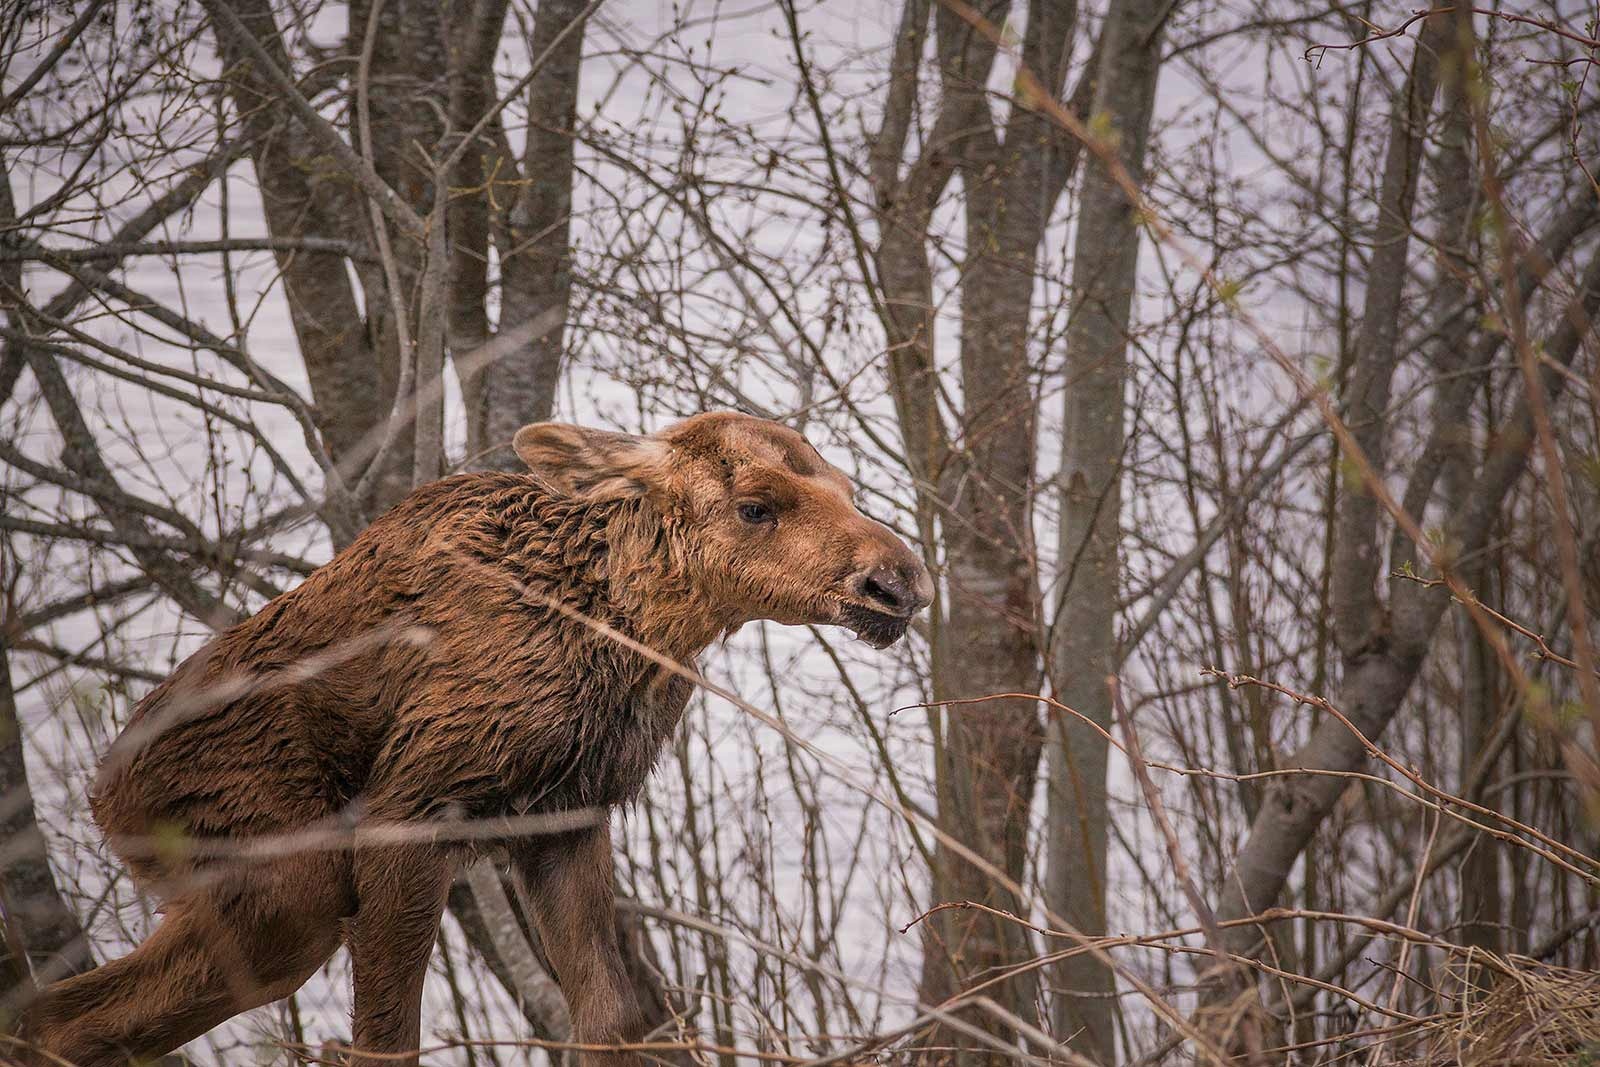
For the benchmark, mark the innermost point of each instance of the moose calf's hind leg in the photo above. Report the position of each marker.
(400, 897)
(218, 952)
(569, 883)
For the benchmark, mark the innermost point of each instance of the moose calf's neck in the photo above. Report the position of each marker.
(544, 587)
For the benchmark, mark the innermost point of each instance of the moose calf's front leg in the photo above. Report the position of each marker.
(568, 879)
(400, 897)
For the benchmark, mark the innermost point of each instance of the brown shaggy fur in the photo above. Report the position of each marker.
(454, 663)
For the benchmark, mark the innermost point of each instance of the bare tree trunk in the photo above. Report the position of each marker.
(1455, 177)
(302, 194)
(1104, 266)
(536, 261)
(975, 489)
(987, 754)
(407, 93)
(1481, 906)
(475, 37)
(38, 921)
(1377, 670)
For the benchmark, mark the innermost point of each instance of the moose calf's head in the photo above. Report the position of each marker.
(766, 528)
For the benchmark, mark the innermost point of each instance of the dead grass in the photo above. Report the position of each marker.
(1532, 1016)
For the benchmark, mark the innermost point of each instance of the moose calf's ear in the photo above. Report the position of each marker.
(590, 464)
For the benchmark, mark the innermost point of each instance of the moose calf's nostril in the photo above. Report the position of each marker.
(886, 588)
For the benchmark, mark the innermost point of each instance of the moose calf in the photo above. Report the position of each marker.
(496, 645)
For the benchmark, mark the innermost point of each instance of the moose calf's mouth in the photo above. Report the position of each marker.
(877, 628)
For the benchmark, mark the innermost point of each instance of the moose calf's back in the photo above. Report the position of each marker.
(432, 654)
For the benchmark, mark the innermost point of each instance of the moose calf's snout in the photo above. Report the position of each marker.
(901, 588)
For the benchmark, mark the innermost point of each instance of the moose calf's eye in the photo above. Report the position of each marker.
(755, 513)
